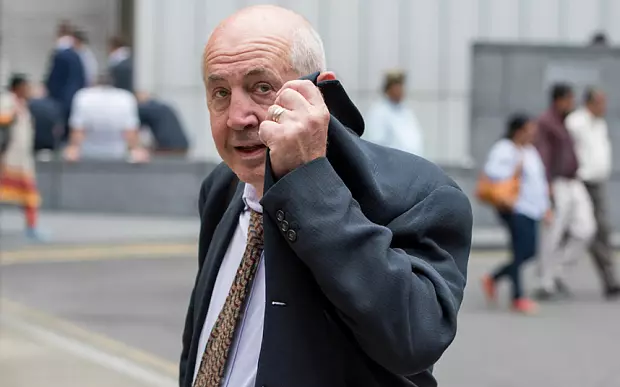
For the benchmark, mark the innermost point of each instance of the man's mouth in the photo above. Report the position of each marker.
(250, 149)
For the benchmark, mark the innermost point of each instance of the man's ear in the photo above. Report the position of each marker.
(326, 76)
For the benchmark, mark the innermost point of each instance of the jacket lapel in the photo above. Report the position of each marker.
(215, 255)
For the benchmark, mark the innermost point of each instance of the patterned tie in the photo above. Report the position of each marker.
(214, 358)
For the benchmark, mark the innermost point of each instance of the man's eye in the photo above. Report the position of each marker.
(263, 88)
(220, 93)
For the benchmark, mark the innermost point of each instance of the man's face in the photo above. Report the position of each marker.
(243, 73)
(23, 90)
(598, 104)
(529, 132)
(566, 104)
(396, 92)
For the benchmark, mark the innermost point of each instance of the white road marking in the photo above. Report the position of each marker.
(85, 351)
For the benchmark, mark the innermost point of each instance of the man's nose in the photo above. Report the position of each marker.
(242, 112)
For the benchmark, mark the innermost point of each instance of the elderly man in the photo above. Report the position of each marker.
(326, 265)
(588, 129)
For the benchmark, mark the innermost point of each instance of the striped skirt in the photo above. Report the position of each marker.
(18, 187)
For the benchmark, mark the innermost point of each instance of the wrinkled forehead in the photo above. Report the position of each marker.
(234, 60)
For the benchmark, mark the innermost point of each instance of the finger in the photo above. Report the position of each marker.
(307, 89)
(267, 132)
(291, 99)
(284, 113)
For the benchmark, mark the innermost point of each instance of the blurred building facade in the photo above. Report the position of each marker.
(431, 40)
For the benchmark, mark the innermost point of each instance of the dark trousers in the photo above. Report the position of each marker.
(524, 239)
(600, 248)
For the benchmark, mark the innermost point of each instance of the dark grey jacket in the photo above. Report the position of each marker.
(371, 263)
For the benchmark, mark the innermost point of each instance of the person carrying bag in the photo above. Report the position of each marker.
(514, 183)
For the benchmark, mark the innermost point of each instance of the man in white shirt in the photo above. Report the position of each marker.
(393, 124)
(105, 124)
(588, 129)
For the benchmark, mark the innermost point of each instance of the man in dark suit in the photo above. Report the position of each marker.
(334, 262)
(121, 64)
(65, 78)
(48, 122)
(165, 126)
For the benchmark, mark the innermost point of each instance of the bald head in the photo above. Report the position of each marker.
(302, 44)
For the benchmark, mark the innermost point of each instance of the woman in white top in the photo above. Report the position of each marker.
(532, 205)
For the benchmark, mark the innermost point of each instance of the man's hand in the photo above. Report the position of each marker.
(72, 153)
(300, 133)
(139, 155)
(548, 219)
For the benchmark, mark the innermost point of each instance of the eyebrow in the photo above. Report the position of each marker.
(214, 78)
(251, 73)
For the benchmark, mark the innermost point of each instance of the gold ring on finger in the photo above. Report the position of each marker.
(276, 112)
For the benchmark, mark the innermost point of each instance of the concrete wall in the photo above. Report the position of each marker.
(28, 31)
(431, 39)
(510, 78)
(162, 187)
(170, 188)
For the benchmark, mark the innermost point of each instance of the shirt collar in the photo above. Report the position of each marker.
(251, 199)
(119, 55)
(64, 42)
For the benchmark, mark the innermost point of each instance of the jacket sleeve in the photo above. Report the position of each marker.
(398, 288)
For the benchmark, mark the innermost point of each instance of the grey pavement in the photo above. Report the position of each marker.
(28, 359)
(141, 302)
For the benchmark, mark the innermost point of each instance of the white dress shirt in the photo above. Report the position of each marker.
(394, 125)
(592, 145)
(64, 42)
(245, 351)
(104, 113)
(89, 62)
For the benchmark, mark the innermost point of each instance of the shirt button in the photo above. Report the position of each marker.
(284, 226)
(291, 235)
(280, 215)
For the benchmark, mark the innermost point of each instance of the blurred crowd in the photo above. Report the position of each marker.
(88, 110)
(83, 110)
(553, 170)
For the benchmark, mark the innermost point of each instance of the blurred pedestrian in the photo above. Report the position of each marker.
(89, 61)
(570, 233)
(599, 39)
(66, 75)
(391, 122)
(588, 128)
(164, 124)
(120, 62)
(48, 122)
(105, 125)
(17, 167)
(511, 156)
